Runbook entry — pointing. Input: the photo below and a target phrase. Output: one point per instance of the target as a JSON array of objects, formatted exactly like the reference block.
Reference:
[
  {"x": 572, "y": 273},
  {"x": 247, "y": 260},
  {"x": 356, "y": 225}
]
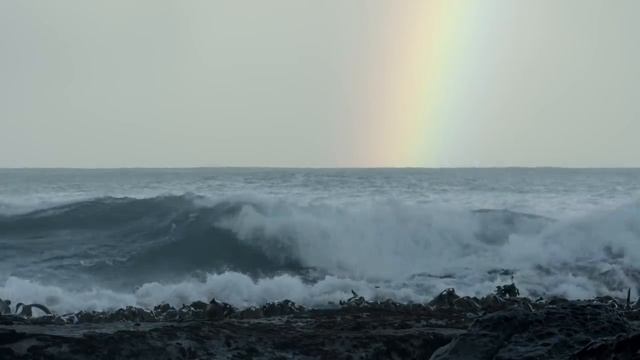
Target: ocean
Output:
[{"x": 103, "y": 239}]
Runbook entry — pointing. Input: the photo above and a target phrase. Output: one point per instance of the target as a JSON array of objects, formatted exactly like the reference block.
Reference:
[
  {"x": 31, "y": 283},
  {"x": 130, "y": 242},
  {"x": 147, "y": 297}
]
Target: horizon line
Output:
[{"x": 320, "y": 167}]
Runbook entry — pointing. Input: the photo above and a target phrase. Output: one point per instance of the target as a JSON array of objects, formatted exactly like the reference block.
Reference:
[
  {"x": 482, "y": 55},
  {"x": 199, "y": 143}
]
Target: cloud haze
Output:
[{"x": 279, "y": 83}]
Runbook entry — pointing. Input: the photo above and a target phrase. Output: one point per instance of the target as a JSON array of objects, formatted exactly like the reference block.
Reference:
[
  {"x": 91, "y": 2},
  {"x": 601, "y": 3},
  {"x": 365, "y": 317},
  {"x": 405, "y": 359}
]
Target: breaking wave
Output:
[{"x": 107, "y": 252}]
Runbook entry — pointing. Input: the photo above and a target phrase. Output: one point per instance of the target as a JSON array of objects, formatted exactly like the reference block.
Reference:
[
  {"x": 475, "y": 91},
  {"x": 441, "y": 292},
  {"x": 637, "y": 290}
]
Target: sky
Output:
[{"x": 307, "y": 83}]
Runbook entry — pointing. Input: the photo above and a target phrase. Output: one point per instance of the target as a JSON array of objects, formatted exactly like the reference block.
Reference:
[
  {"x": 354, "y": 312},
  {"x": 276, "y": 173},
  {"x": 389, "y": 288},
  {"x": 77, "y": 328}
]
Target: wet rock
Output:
[
  {"x": 60, "y": 320},
  {"x": 218, "y": 310},
  {"x": 609, "y": 301},
  {"x": 620, "y": 347},
  {"x": 162, "y": 308},
  {"x": 449, "y": 327},
  {"x": 554, "y": 332},
  {"x": 90, "y": 316},
  {"x": 170, "y": 315},
  {"x": 5, "y": 307},
  {"x": 250, "y": 313},
  {"x": 5, "y": 320},
  {"x": 9, "y": 336},
  {"x": 467, "y": 304},
  {"x": 165, "y": 312},
  {"x": 446, "y": 298},
  {"x": 44, "y": 320},
  {"x": 392, "y": 336},
  {"x": 199, "y": 306},
  {"x": 632, "y": 315},
  {"x": 492, "y": 303},
  {"x": 392, "y": 306},
  {"x": 26, "y": 310},
  {"x": 194, "y": 311},
  {"x": 132, "y": 314},
  {"x": 509, "y": 290},
  {"x": 281, "y": 308},
  {"x": 354, "y": 301},
  {"x": 557, "y": 301}
]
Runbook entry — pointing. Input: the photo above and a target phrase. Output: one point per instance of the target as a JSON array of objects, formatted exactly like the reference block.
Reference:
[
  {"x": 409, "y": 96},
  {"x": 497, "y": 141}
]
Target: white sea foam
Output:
[
  {"x": 394, "y": 246},
  {"x": 582, "y": 258},
  {"x": 232, "y": 287},
  {"x": 591, "y": 255}
]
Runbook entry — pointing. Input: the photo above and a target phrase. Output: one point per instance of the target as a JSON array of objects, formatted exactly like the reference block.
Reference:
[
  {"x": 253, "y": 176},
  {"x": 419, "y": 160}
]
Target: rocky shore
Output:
[{"x": 502, "y": 325}]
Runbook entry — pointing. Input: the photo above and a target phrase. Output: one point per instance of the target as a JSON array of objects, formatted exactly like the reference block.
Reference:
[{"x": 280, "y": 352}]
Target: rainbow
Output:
[{"x": 410, "y": 83}]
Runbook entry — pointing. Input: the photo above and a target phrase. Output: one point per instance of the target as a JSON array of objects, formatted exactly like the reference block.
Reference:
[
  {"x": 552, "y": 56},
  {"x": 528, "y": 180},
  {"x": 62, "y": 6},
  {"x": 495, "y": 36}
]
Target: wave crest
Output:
[{"x": 125, "y": 243}]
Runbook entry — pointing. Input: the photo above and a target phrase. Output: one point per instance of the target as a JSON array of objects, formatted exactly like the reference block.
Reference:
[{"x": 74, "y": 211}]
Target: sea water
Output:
[{"x": 103, "y": 239}]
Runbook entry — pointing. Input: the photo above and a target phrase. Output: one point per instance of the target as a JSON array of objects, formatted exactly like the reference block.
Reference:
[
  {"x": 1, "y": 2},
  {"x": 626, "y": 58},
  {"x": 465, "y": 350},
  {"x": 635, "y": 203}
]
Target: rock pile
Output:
[
  {"x": 554, "y": 332},
  {"x": 498, "y": 326}
]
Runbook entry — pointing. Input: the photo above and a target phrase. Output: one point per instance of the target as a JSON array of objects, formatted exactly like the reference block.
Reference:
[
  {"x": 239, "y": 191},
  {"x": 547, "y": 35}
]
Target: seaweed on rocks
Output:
[
  {"x": 509, "y": 290},
  {"x": 354, "y": 301},
  {"x": 216, "y": 310},
  {"x": 281, "y": 308},
  {"x": 448, "y": 327},
  {"x": 445, "y": 299},
  {"x": 251, "y": 312}
]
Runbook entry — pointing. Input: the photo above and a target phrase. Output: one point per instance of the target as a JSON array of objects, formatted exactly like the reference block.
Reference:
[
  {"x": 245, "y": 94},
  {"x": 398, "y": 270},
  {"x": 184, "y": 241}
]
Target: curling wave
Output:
[{"x": 182, "y": 248}]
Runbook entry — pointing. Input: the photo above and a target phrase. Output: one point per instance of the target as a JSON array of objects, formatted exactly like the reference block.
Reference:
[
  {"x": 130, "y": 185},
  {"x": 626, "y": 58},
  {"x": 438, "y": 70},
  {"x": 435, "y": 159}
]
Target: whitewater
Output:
[{"x": 103, "y": 239}]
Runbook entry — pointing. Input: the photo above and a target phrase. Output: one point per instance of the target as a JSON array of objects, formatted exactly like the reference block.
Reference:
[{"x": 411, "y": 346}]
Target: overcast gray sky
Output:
[{"x": 283, "y": 83}]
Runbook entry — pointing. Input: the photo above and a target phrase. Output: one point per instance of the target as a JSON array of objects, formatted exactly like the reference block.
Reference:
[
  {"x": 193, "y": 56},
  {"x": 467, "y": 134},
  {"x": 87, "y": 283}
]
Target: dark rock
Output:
[
  {"x": 354, "y": 301},
  {"x": 132, "y": 314},
  {"x": 170, "y": 315},
  {"x": 556, "y": 301},
  {"x": 250, "y": 313},
  {"x": 218, "y": 310},
  {"x": 554, "y": 332},
  {"x": 450, "y": 327},
  {"x": 610, "y": 301},
  {"x": 199, "y": 306},
  {"x": 5, "y": 307},
  {"x": 162, "y": 308},
  {"x": 467, "y": 304},
  {"x": 26, "y": 310},
  {"x": 445, "y": 299},
  {"x": 8, "y": 336},
  {"x": 392, "y": 336},
  {"x": 620, "y": 347},
  {"x": 507, "y": 291},
  {"x": 493, "y": 303},
  {"x": 281, "y": 308}
]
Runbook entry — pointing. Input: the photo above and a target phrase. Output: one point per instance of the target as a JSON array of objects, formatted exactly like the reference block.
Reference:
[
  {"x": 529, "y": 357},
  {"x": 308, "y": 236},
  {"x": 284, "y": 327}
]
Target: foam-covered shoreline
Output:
[{"x": 114, "y": 252}]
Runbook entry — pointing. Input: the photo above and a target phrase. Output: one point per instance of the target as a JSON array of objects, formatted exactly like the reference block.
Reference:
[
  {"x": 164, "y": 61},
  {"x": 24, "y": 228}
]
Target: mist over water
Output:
[{"x": 99, "y": 239}]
